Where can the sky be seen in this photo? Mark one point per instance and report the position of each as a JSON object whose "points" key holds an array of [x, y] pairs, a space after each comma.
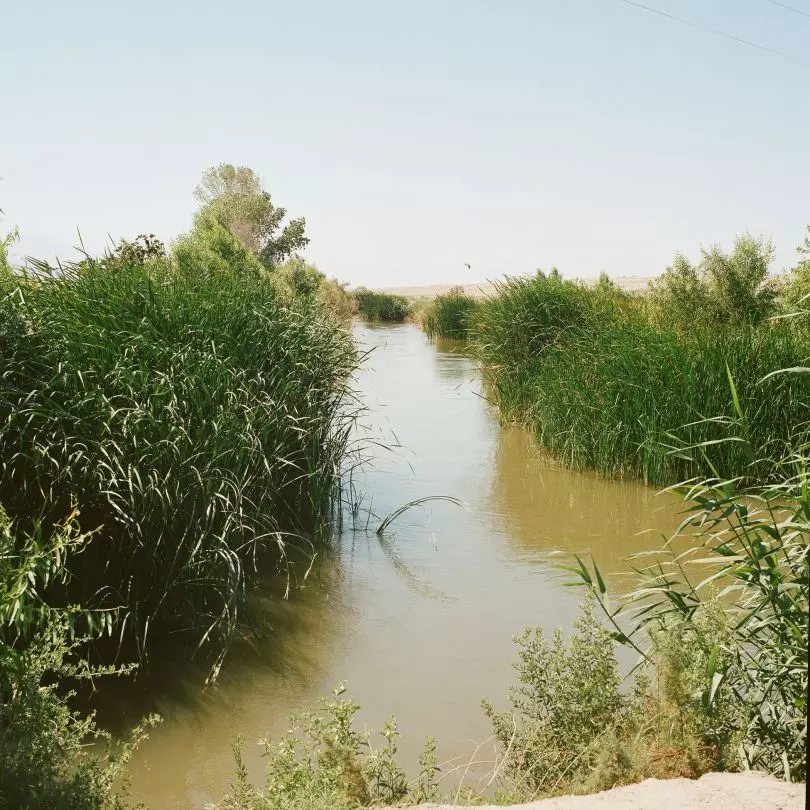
{"points": [[415, 136]]}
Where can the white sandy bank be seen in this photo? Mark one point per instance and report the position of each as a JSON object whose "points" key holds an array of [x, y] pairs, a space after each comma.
{"points": [[714, 791]]}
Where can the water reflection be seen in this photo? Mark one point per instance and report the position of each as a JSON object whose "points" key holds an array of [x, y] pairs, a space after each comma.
{"points": [[419, 624], [551, 508]]}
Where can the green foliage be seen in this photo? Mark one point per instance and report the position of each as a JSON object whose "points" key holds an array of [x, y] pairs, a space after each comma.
{"points": [[45, 759], [751, 542], [567, 700], [144, 248], [722, 289], [382, 307], [334, 296], [602, 386], [233, 197], [303, 278], [323, 761], [5, 243], [572, 728], [795, 293], [450, 315], [210, 248], [197, 418], [45, 763]]}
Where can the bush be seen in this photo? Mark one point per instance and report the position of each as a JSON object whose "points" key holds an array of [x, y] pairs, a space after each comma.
{"points": [[567, 699], [572, 728], [45, 758], [795, 293], [322, 761], [382, 307], [450, 315], [196, 417], [306, 280], [722, 289]]}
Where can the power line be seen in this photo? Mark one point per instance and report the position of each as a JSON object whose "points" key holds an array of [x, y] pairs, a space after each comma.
{"points": [[790, 8], [716, 32]]}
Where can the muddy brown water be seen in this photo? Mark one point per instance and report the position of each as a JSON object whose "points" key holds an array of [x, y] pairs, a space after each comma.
{"points": [[419, 625]]}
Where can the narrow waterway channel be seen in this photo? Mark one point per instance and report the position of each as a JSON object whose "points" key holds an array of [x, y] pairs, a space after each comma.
{"points": [[418, 625]]}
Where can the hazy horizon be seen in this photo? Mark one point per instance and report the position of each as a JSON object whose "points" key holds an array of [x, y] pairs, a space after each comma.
{"points": [[414, 139]]}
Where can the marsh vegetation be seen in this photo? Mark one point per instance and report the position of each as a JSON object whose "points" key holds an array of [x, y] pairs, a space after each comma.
{"points": [[175, 430]]}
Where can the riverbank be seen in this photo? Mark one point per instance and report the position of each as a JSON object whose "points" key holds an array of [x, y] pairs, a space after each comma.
{"points": [[714, 791]]}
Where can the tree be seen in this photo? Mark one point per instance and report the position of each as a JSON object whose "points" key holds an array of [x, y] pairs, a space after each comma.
{"points": [[723, 288], [796, 291], [234, 197], [211, 247], [5, 243], [738, 282]]}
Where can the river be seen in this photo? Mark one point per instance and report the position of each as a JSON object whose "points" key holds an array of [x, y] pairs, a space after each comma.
{"points": [[420, 624]]}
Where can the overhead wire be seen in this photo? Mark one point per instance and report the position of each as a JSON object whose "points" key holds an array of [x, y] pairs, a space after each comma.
{"points": [[717, 32], [790, 8]]}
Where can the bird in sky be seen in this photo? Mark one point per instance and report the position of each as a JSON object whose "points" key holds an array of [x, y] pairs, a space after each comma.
{"points": [[467, 265]]}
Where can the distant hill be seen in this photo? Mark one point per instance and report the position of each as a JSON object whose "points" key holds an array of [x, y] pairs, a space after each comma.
{"points": [[484, 288]]}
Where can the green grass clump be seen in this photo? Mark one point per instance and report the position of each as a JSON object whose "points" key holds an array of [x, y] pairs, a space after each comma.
{"points": [[382, 307], [197, 419], [602, 386], [450, 315]]}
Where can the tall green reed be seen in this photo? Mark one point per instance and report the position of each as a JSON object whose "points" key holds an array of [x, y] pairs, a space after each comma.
{"points": [[601, 386], [739, 592], [197, 420], [450, 315], [382, 307]]}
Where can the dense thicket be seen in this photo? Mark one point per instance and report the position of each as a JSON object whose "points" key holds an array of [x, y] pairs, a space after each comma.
{"points": [[197, 418]]}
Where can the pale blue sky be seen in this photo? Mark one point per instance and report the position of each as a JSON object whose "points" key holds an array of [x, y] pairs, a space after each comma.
{"points": [[414, 136]]}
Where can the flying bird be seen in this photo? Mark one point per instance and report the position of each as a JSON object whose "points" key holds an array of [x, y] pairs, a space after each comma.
{"points": [[467, 265]]}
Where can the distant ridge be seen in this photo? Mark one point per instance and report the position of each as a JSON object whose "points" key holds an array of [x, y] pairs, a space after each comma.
{"points": [[484, 288]]}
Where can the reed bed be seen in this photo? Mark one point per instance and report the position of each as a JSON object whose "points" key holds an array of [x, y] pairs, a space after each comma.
{"points": [[602, 386], [198, 421], [451, 315], [382, 307]]}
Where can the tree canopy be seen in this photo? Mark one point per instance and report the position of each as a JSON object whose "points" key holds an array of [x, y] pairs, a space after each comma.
{"points": [[233, 196]]}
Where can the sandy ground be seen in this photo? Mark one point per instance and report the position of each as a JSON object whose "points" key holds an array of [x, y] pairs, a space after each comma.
{"points": [[714, 791], [482, 289]]}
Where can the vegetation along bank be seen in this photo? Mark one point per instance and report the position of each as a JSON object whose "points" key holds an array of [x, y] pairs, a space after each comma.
{"points": [[173, 423], [603, 376]]}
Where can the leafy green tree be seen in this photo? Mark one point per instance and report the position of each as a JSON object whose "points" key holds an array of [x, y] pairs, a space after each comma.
{"points": [[796, 291], [738, 282], [723, 288], [303, 278], [213, 246], [5, 242], [233, 196]]}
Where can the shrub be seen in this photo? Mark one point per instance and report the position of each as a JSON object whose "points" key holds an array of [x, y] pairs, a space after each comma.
{"points": [[723, 288], [795, 293], [211, 249], [567, 699], [197, 418], [749, 544], [572, 728], [322, 761], [45, 758]]}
